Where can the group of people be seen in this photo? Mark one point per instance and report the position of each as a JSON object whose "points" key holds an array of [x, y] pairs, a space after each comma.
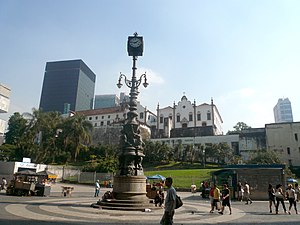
{"points": [[244, 192], [216, 197], [277, 196]]}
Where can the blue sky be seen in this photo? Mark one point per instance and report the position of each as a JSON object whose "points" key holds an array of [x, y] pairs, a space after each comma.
{"points": [[243, 54]]}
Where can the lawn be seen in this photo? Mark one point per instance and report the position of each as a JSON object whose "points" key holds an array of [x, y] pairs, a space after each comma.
{"points": [[186, 177]]}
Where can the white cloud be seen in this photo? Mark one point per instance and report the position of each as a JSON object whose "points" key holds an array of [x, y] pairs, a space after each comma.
{"points": [[152, 77]]}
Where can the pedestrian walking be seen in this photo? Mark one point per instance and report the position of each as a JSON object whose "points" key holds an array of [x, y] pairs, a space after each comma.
{"points": [[297, 190], [225, 199], [4, 184], [167, 218], [216, 199], [211, 198], [271, 193], [97, 188], [240, 192], [279, 198], [291, 194], [247, 193]]}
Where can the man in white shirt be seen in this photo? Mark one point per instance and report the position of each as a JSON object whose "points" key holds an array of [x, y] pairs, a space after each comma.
{"points": [[167, 218], [247, 193], [97, 188]]}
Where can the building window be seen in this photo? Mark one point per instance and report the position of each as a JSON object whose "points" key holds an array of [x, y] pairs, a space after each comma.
{"points": [[161, 119], [90, 118], [204, 124], [190, 117], [108, 122], [166, 121], [108, 116], [208, 116], [288, 150], [102, 117], [296, 137], [141, 115], [96, 117], [178, 118], [102, 123], [95, 125], [290, 162], [199, 116]]}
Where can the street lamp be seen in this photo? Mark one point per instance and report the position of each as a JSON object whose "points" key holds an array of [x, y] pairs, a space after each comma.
{"points": [[129, 181], [132, 155], [203, 155]]}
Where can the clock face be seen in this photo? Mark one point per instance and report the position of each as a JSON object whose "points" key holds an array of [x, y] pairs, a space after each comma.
{"points": [[135, 42]]}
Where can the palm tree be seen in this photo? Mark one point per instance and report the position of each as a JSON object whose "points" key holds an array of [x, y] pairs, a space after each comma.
{"points": [[77, 134], [41, 134]]}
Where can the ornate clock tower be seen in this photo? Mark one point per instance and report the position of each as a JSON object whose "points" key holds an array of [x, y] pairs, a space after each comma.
{"points": [[129, 185]]}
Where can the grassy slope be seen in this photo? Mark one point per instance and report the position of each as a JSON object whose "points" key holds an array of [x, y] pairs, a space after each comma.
{"points": [[184, 178]]}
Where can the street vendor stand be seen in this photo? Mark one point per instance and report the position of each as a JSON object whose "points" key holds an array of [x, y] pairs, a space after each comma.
{"points": [[28, 183], [154, 184]]}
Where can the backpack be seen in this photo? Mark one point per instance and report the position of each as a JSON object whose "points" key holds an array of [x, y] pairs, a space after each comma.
{"points": [[178, 202]]}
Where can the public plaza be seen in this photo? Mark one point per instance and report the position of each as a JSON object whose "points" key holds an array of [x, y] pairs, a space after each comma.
{"points": [[75, 209]]}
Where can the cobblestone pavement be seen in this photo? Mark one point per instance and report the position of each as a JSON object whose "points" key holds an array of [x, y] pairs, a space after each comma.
{"points": [[76, 210]]}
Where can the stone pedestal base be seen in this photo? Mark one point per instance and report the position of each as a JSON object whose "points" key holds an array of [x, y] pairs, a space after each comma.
{"points": [[129, 193]]}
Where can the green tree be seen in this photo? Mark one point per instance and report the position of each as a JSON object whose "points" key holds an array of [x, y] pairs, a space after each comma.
{"points": [[77, 134], [155, 152], [41, 135], [8, 152], [16, 128], [220, 153], [239, 127], [264, 156]]}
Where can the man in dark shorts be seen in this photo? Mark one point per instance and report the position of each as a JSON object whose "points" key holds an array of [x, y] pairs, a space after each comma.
{"points": [[225, 199]]}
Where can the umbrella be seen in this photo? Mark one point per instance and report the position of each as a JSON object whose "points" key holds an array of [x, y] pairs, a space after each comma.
{"points": [[156, 177], [291, 180]]}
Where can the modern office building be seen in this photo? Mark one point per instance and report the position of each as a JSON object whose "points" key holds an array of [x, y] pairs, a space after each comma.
{"points": [[106, 101], [4, 106], [283, 111], [68, 85]]}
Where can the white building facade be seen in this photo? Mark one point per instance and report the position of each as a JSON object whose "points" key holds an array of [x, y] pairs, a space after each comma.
{"points": [[4, 106], [186, 116]]}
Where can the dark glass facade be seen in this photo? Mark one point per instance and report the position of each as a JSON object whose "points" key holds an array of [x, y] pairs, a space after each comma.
{"points": [[67, 82]]}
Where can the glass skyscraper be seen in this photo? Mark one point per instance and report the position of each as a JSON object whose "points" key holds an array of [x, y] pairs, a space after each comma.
{"points": [[70, 83], [283, 111]]}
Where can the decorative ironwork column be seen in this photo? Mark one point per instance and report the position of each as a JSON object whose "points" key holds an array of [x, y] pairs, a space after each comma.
{"points": [[131, 143]]}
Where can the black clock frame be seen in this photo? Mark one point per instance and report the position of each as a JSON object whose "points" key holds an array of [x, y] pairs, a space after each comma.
{"points": [[135, 51]]}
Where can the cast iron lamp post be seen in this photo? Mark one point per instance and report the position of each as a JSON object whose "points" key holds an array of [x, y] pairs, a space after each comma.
{"points": [[131, 142], [129, 189]]}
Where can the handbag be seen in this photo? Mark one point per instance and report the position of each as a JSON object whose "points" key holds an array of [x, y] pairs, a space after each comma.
{"points": [[178, 202], [278, 194]]}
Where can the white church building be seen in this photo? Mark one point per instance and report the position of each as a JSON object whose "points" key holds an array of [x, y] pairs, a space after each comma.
{"points": [[186, 119]]}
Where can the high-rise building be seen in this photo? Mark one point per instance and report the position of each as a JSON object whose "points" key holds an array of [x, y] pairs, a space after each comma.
{"points": [[283, 111], [67, 85], [106, 101]]}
